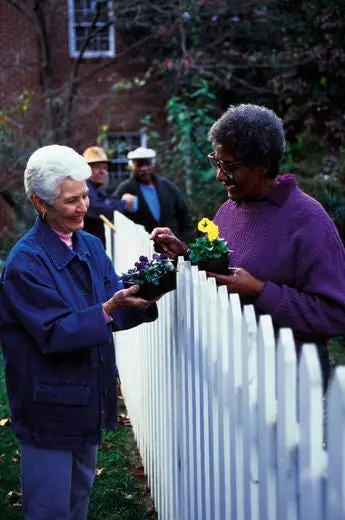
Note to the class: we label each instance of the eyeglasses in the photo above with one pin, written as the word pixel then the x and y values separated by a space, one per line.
pixel 227 167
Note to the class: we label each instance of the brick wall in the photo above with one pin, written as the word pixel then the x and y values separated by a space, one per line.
pixel 95 104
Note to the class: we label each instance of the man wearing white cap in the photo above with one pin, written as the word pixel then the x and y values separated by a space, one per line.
pixel 100 202
pixel 152 200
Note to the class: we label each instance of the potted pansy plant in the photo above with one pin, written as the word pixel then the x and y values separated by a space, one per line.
pixel 209 252
pixel 155 277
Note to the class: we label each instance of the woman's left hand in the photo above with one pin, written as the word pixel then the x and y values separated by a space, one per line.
pixel 240 281
pixel 127 298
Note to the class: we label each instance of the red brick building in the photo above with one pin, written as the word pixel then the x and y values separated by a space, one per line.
pixel 40 50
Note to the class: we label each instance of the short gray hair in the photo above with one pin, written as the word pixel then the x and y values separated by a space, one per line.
pixel 49 166
pixel 253 134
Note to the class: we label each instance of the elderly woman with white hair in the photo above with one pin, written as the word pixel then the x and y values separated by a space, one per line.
pixel 60 301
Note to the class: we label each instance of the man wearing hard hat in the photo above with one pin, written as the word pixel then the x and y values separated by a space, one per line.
pixel 100 202
pixel 153 201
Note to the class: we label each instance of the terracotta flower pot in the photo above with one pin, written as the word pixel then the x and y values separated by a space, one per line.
pixel 215 265
pixel 149 290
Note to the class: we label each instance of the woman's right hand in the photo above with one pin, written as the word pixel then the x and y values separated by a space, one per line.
pixel 166 242
pixel 126 298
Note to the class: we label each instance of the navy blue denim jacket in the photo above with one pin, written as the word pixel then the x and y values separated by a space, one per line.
pixel 58 350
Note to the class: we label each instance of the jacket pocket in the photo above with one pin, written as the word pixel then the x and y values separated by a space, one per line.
pixel 65 395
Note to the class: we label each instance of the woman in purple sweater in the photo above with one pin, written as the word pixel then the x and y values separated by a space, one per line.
pixel 288 258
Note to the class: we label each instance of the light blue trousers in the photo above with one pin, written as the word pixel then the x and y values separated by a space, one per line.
pixel 56 484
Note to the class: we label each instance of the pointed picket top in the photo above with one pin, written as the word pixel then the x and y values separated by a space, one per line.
pixel 287 387
pixel 181 263
pixel 202 276
pixel 235 315
pixel 235 304
pixel 195 274
pixel 311 455
pixel 336 446
pixel 249 320
pixel 213 328
pixel 267 367
pixel 223 297
pixel 249 353
pixel 212 285
pixel 287 432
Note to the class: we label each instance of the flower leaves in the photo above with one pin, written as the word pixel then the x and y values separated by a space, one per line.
pixel 207 247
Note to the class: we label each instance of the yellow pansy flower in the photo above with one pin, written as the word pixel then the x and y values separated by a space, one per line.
pixel 207 226
pixel 213 233
pixel 203 224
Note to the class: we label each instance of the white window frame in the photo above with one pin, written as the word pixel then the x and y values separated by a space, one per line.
pixel 73 51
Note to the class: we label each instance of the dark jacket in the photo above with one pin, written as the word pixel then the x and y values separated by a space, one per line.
pixel 174 211
pixel 100 204
pixel 58 350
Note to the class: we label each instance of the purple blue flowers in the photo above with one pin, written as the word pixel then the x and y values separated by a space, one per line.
pixel 161 256
pixel 149 271
pixel 140 265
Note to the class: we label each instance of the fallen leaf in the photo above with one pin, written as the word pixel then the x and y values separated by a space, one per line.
pixel 15 499
pixel 125 420
pixel 5 422
pixel 99 472
pixel 139 473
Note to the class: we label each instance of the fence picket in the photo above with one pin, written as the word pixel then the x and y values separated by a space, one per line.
pixel 311 456
pixel 224 374
pixel 233 393
pixel 336 447
pixel 198 284
pixel 249 414
pixel 267 414
pixel 207 418
pixel 286 427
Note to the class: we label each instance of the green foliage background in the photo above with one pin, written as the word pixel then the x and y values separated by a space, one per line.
pixel 200 56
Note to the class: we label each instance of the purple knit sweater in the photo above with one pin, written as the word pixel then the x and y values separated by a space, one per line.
pixel 287 240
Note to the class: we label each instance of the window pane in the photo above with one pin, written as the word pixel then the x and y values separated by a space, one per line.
pixel 84 19
pixel 121 143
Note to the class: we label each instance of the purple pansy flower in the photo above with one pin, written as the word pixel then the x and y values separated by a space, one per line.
pixel 140 265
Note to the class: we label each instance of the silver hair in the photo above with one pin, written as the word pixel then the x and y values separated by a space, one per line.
pixel 49 166
pixel 254 134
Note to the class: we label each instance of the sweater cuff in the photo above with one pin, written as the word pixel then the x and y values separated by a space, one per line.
pixel 269 299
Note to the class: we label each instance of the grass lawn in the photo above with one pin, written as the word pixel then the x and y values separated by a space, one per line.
pixel 116 494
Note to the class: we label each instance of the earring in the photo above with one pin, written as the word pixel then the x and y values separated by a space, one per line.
pixel 43 214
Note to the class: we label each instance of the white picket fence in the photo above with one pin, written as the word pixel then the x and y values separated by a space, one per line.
pixel 228 425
